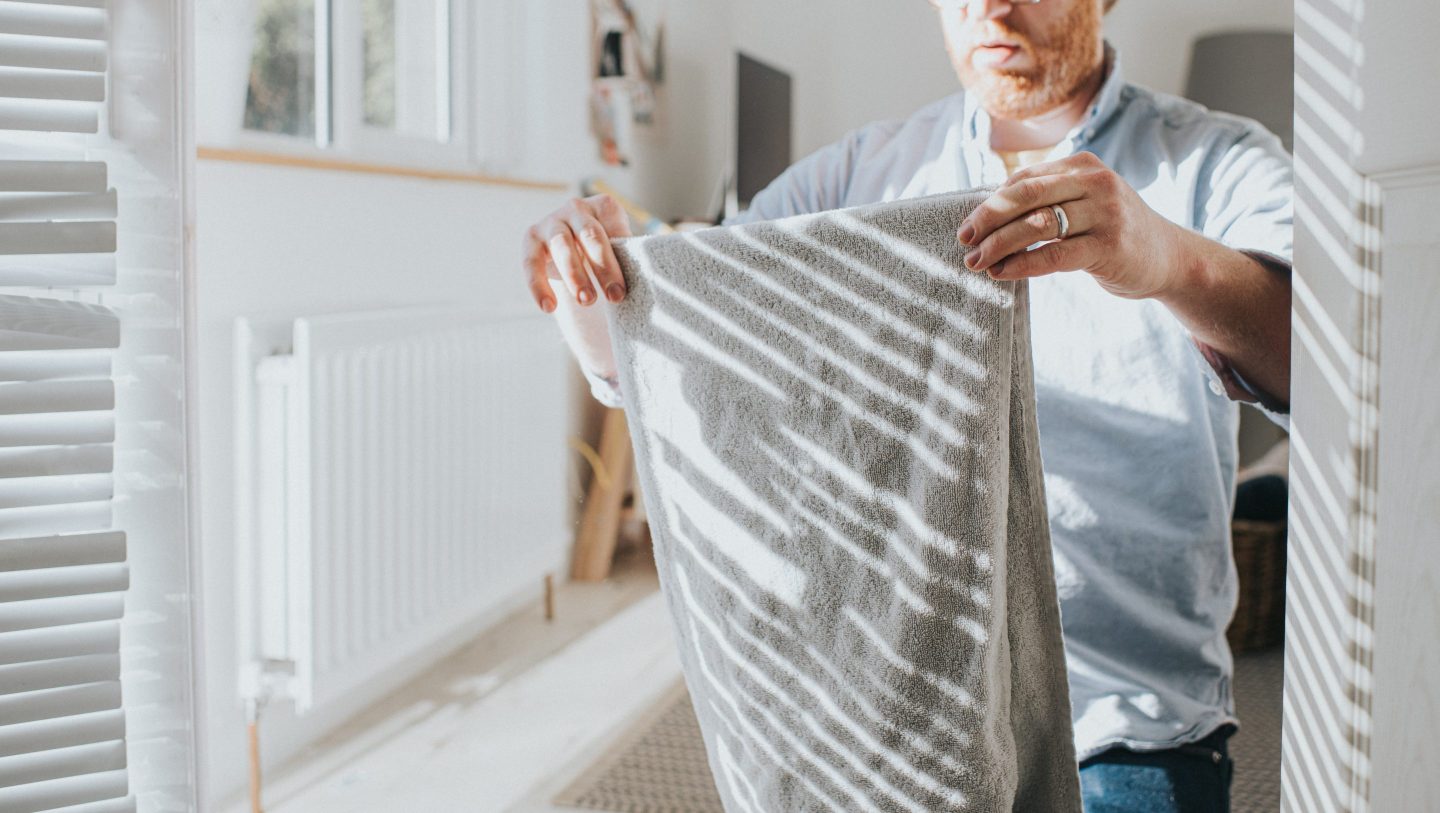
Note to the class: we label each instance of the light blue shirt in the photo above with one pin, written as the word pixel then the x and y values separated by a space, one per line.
pixel 1137 437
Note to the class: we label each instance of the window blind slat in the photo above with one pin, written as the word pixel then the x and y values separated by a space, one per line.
pixel 63 732
pixel 52 20
pixel 57 429
pixel 53 176
pixel 48 52
pixel 58 612
pixel 29 677
pixel 28 323
pixel 122 805
pixel 28 707
pixel 59 642
pixel 68 270
pixel 82 3
pixel 63 762
pixel 21 365
pixel 85 237
pixel 55 519
pixel 42 83
pixel 49 461
pixel 71 550
pixel 27 206
pixel 47 796
pixel 25 585
pixel 49 116
pixel 30 397
pixel 31 492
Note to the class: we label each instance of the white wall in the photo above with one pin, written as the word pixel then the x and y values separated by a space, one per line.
pixel 276 242
pixel 283 242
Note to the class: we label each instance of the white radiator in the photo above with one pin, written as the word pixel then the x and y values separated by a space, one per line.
pixel 401 480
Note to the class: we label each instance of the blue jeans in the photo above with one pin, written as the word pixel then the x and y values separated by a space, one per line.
pixel 1192 778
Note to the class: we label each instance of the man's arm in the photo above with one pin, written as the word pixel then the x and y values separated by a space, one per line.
pixel 1236 305
pixel 1227 280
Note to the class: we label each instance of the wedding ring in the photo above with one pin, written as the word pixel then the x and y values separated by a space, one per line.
pixel 1062 220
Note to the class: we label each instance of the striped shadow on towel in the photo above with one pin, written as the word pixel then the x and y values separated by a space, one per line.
pixel 834 428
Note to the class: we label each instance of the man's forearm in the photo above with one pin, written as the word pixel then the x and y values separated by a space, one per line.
pixel 1237 305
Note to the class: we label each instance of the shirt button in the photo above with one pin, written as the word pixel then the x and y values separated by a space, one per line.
pixel 1216 388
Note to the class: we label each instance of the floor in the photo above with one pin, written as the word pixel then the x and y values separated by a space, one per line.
pixel 492 727
pixel 506 723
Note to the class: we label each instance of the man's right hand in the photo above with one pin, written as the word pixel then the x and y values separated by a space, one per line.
pixel 572 242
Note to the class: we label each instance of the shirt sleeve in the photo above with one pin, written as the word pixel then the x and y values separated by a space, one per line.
pixel 606 389
pixel 816 183
pixel 1247 202
pixel 1247 198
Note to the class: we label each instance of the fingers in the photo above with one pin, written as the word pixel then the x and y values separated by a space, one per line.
pixel 537 261
pixel 1035 226
pixel 595 242
pixel 1017 199
pixel 1079 162
pixel 610 214
pixel 1070 254
pixel 569 245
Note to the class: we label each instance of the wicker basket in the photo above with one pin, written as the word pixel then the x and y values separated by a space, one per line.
pixel 1260 562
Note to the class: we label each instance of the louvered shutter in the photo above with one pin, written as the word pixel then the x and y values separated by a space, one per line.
pixel 62 562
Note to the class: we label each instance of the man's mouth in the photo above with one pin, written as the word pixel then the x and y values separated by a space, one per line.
pixel 993 54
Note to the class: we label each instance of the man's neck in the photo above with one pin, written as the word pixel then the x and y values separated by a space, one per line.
pixel 1048 128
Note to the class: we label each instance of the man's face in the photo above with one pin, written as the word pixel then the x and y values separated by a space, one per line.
pixel 1022 61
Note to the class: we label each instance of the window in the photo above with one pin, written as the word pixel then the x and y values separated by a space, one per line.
pixel 281 94
pixel 406 82
pixel 375 80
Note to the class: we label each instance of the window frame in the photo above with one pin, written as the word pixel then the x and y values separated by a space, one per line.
pixel 341 132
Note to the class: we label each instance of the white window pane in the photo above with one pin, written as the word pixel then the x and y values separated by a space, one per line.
pixel 407 67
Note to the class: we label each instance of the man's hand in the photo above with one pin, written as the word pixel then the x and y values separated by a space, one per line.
pixel 572 245
pixel 1130 249
pixel 1229 300
pixel 569 244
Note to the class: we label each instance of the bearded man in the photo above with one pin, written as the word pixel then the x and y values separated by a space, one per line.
pixel 1156 235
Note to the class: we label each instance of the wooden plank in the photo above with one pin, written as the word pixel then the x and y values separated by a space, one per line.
pixel 600 525
pixel 338 165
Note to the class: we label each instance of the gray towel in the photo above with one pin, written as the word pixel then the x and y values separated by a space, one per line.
pixel 834 429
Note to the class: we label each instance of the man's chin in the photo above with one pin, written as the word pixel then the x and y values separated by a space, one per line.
pixel 1012 96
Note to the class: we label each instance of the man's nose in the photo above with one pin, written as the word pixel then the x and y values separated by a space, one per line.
pixel 988 9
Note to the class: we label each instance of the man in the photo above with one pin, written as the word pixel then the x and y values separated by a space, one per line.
pixel 1157 238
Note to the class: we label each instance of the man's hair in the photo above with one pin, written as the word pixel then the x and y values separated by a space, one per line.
pixel 1108 4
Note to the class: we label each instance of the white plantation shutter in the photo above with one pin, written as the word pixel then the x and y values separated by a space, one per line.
pixel 63 571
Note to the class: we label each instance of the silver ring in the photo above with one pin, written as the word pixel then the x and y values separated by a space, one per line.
pixel 1062 220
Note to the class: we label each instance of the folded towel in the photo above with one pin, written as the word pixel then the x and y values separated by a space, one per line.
pixel 834 430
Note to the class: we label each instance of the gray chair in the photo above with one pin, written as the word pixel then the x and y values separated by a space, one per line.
pixel 1250 73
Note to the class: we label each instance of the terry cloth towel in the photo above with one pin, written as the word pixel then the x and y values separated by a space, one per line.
pixel 834 431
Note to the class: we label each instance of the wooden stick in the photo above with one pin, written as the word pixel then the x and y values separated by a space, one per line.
pixel 549 597
pixel 340 165
pixel 253 731
pixel 600 525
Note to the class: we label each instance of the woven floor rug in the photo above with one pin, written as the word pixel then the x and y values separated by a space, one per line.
pixel 658 765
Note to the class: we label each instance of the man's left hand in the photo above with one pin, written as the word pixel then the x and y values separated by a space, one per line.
pixel 1128 248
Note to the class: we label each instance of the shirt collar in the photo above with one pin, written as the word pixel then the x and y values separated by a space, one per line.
pixel 1106 102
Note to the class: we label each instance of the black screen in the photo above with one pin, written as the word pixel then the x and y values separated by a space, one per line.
pixel 762 138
